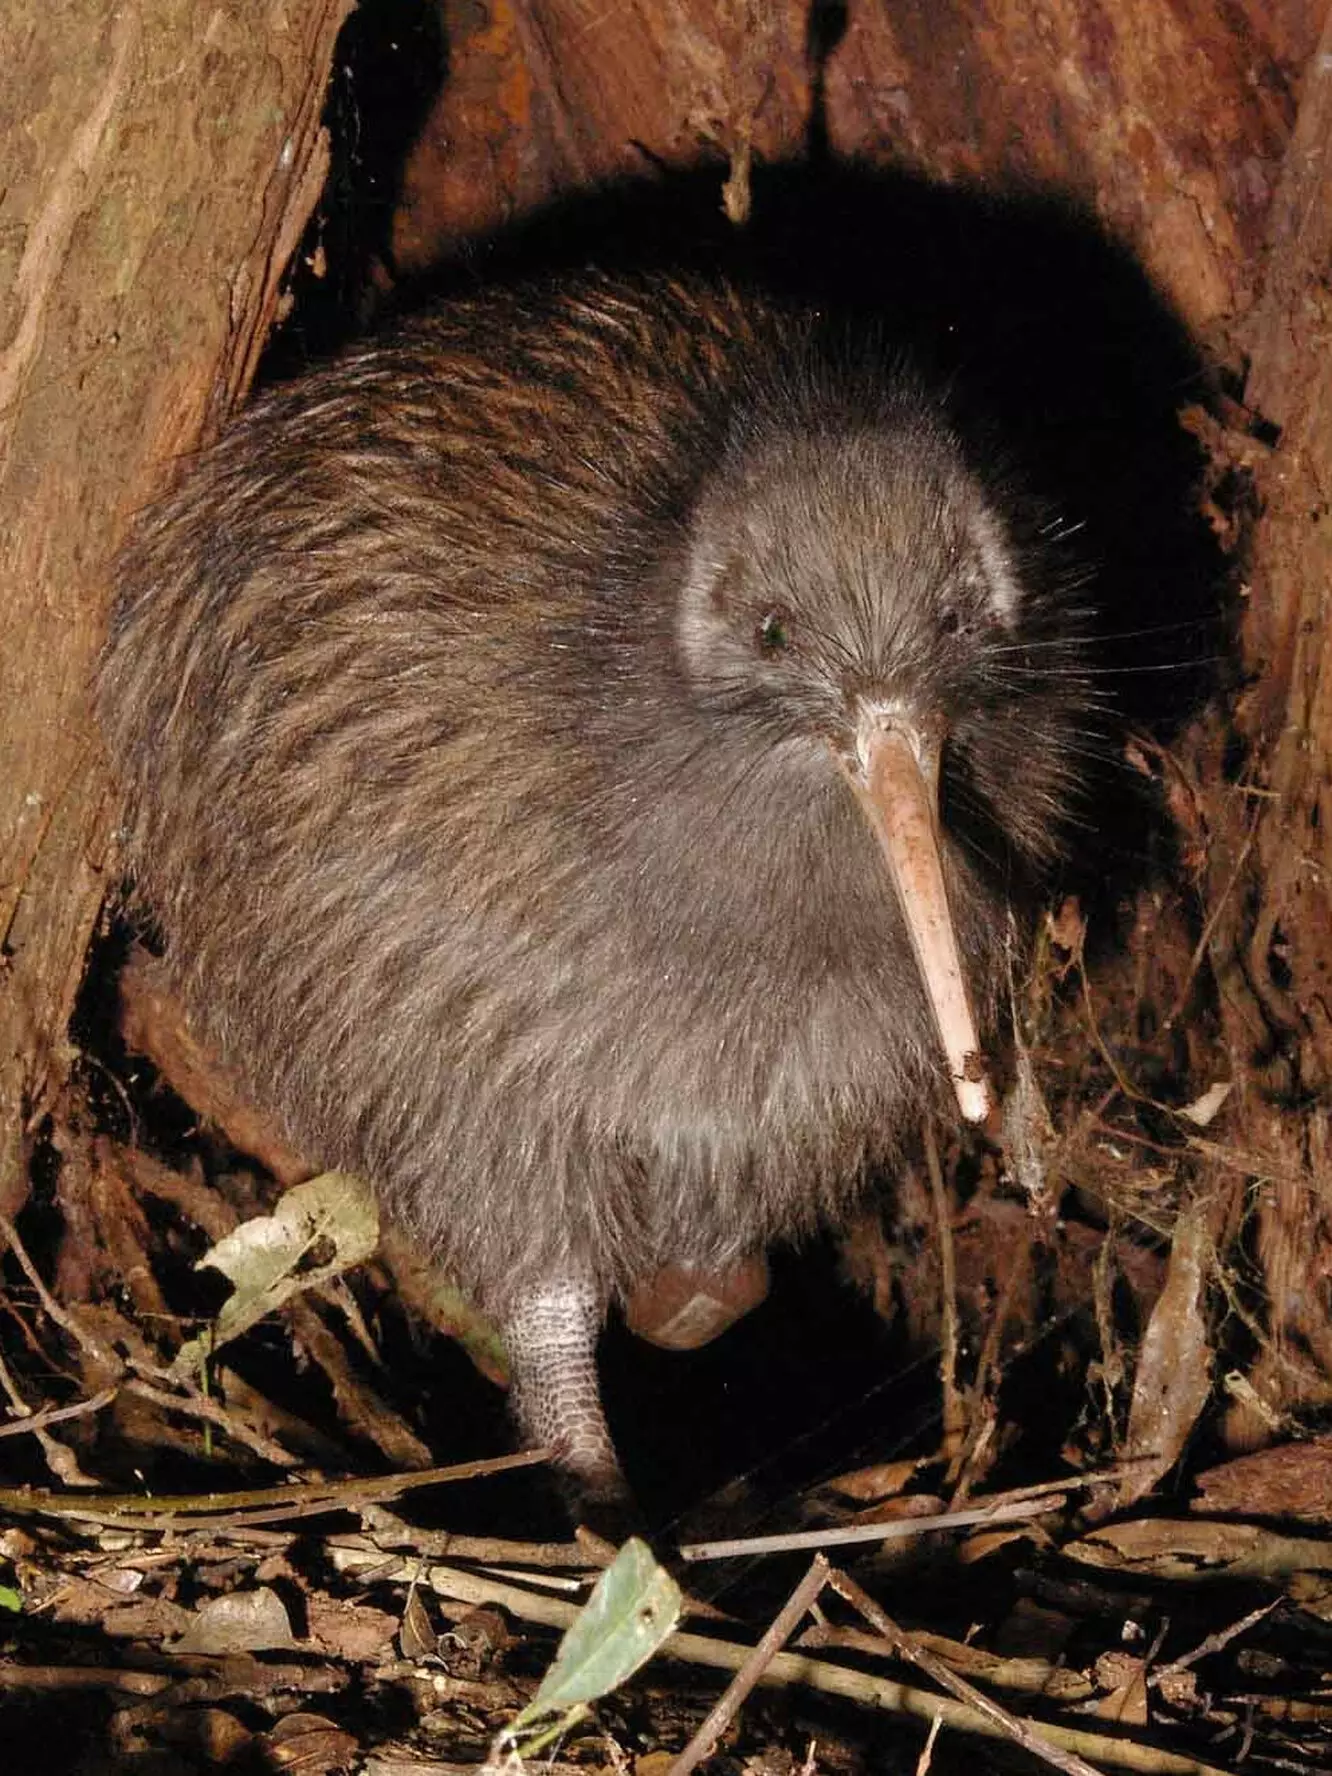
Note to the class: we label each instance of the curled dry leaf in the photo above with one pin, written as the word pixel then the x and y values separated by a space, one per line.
pixel 416 1634
pixel 1168 1548
pixel 1123 1678
pixel 319 1229
pixel 309 1744
pixel 1028 1134
pixel 1174 1365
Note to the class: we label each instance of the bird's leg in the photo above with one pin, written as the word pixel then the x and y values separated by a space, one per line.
pixel 551 1335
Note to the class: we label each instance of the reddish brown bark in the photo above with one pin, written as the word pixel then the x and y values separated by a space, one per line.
pixel 1168 121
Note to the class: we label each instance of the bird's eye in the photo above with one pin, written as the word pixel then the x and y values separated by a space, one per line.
pixel 773 633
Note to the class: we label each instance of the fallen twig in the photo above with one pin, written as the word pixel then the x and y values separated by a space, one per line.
pixel 898 1530
pixel 1011 1726
pixel 195 1404
pixel 272 1504
pixel 1214 1642
pixel 1061 1684
pixel 727 1706
pixel 38 1421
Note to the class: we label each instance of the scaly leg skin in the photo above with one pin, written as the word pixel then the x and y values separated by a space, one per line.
pixel 551 1336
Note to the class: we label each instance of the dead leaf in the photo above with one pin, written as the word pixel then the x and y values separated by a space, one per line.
pixel 1173 1379
pixel 1175 1548
pixel 417 1639
pixel 308 1745
pixel 883 1480
pixel 88 1602
pixel 472 1647
pixel 1203 1109
pixel 319 1229
pixel 242 1622
pixel 1068 928
pixel 1124 1678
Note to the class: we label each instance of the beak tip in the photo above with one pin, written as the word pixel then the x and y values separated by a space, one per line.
pixel 973 1097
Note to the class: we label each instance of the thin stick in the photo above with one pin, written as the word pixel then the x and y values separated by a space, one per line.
pixel 954 1412
pixel 901 1529
pixel 436 1544
pixel 1214 1642
pixel 926 1757
pixel 196 1405
pixel 727 1706
pixel 61 1459
pixel 1210 924
pixel 37 1421
pixel 15 1678
pixel 1070 1483
pixel 69 1323
pixel 1028 1676
pixel 213 1510
pixel 189 1403
pixel 1021 1732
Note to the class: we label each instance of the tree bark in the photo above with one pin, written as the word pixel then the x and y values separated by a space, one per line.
pixel 160 162
pixel 1279 1003
pixel 1168 122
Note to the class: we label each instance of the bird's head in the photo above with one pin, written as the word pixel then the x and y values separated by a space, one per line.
pixel 852 591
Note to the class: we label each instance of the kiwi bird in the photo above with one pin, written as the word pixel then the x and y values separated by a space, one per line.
pixel 579 750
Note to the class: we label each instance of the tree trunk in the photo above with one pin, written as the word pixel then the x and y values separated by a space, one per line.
pixel 1167 122
pixel 160 162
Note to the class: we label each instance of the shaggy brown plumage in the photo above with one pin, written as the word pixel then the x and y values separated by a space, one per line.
pixel 476 701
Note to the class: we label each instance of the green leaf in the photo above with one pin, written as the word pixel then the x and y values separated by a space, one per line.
pixel 634 1608
pixel 11 1599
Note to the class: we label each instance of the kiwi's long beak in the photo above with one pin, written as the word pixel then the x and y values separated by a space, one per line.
pixel 896 779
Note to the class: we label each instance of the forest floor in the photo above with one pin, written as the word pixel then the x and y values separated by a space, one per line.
pixel 1009 1405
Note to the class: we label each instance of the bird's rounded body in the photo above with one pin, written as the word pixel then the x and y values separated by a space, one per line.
pixel 484 704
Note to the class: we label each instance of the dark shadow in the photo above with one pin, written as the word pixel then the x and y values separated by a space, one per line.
pixel 811 1383
pixel 825 27
pixel 389 66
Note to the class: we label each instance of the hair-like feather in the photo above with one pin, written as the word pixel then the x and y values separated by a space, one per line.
pixel 475 701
